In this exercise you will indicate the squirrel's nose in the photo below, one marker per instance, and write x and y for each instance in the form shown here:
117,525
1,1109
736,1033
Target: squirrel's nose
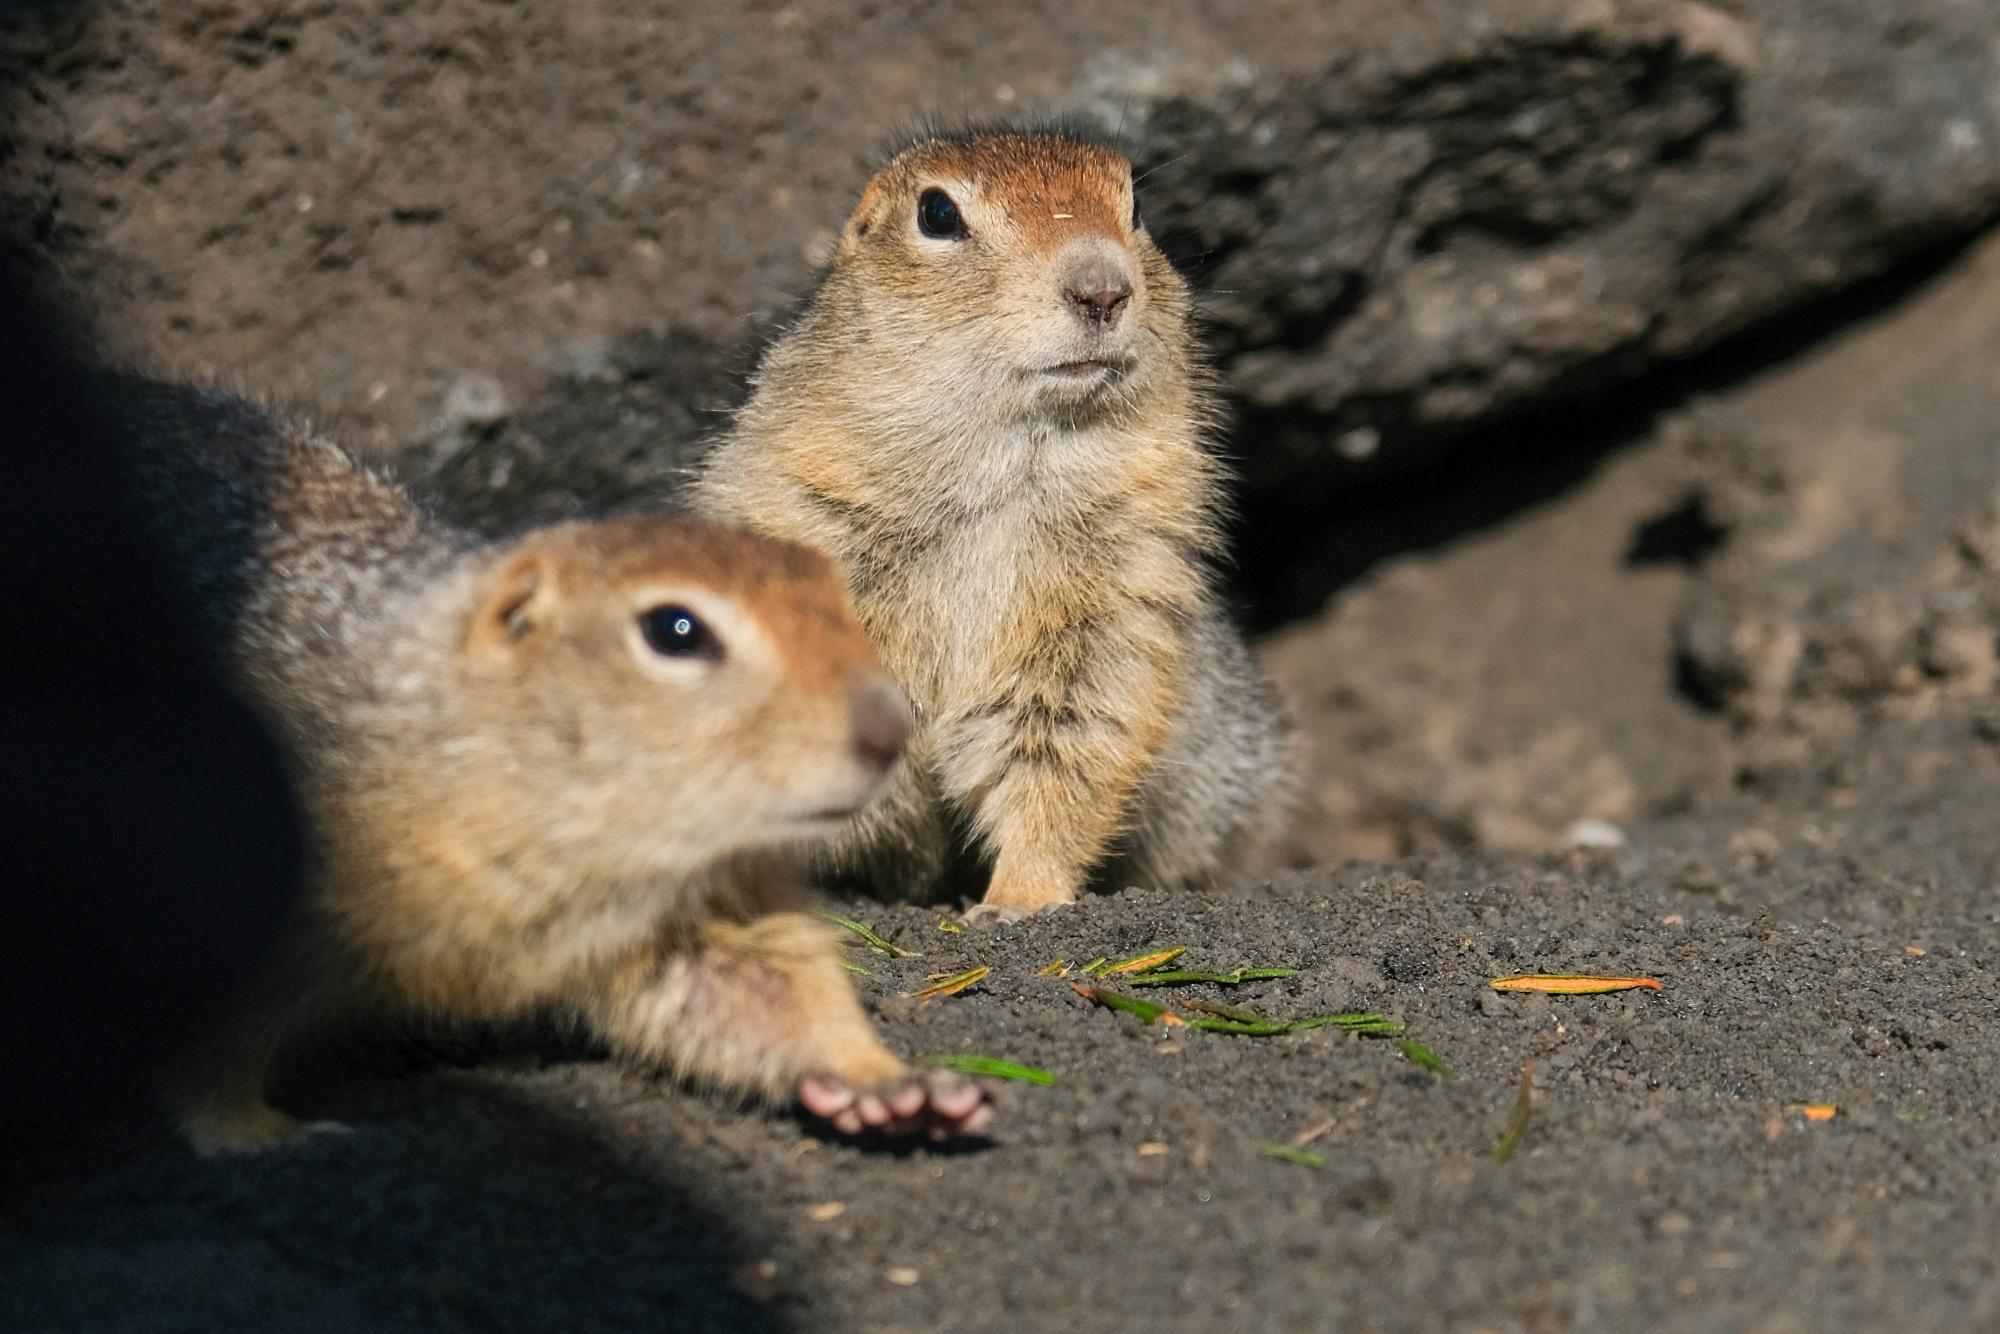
1099,286
881,722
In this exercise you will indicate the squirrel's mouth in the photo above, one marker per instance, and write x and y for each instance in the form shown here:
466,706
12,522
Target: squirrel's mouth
837,811
1085,371
829,814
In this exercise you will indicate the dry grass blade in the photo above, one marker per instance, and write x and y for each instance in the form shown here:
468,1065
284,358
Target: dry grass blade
1524,1107
1305,1137
1253,1028
1060,968
1234,977
1221,1011
1572,984
1227,1019
1092,967
1360,1025
990,1066
951,926
853,967
950,984
1287,1153
869,937
1145,963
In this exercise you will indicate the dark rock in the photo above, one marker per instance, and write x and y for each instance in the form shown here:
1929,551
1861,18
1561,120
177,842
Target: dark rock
618,433
1396,250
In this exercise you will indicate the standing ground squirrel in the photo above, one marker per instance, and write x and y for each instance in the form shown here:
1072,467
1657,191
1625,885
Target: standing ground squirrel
553,773
992,417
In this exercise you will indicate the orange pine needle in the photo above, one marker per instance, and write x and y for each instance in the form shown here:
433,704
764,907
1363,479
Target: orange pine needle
952,985
1815,1111
1145,963
1572,984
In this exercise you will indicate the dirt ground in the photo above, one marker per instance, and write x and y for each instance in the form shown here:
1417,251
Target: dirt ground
1692,677
1660,1184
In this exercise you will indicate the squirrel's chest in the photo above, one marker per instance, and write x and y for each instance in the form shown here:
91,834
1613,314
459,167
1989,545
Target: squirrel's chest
989,596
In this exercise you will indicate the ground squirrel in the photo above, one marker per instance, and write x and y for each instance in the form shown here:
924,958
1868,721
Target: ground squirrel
992,416
551,773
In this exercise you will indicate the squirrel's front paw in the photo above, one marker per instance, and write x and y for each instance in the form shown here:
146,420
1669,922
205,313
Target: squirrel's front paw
985,916
938,1103
1023,893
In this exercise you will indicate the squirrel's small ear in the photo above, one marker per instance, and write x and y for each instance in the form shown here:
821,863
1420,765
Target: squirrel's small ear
514,598
863,219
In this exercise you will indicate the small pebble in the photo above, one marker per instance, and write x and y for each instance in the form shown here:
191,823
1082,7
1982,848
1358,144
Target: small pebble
475,400
1595,834
757,1281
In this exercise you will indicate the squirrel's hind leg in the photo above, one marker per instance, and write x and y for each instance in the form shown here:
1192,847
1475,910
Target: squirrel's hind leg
1226,785
220,1104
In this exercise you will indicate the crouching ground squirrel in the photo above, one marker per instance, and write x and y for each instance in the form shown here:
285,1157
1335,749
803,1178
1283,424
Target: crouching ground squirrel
992,416
556,773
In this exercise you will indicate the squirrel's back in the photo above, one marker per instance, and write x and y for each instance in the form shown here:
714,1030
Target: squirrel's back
298,559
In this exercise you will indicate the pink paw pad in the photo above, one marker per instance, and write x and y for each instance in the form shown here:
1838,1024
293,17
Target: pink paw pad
933,1102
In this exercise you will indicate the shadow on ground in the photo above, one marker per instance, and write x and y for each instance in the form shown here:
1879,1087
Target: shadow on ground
461,1200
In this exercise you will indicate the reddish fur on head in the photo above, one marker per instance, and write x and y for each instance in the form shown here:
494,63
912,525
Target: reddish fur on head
792,591
1041,301
1053,186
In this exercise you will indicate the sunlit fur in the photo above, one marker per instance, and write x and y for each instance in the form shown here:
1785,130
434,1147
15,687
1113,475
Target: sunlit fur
516,805
1029,550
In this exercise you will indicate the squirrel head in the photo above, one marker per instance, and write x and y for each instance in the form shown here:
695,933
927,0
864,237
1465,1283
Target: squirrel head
1010,273
658,693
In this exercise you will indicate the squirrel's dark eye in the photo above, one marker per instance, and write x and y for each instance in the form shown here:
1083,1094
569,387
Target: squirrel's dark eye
938,216
675,632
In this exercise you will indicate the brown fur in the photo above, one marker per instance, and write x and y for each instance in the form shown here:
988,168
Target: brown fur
1028,548
517,805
